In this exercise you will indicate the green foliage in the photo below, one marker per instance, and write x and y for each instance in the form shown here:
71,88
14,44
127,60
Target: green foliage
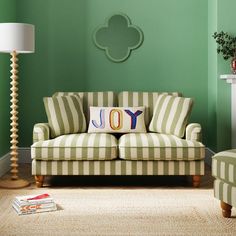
226,44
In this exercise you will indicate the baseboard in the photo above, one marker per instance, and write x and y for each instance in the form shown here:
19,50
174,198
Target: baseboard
4,164
209,154
24,157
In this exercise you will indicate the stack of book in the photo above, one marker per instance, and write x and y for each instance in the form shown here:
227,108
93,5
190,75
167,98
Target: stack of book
33,204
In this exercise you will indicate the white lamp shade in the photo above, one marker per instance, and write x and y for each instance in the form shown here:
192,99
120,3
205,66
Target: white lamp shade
16,37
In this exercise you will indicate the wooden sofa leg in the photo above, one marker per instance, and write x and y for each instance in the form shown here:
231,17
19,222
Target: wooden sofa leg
196,181
39,180
226,209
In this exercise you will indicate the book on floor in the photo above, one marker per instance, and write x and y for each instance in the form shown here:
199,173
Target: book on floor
29,204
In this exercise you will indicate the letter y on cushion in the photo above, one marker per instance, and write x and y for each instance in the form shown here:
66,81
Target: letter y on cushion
133,117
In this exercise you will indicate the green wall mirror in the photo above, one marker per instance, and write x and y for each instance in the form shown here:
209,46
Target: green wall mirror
118,37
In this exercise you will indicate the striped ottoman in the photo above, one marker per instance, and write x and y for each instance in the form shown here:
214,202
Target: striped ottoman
224,170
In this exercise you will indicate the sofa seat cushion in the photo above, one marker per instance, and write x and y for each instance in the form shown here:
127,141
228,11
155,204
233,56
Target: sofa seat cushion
224,166
81,146
154,146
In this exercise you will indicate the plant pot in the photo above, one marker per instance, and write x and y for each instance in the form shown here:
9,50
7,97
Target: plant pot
233,65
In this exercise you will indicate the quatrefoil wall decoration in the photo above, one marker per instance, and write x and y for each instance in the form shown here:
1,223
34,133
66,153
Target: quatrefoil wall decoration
118,37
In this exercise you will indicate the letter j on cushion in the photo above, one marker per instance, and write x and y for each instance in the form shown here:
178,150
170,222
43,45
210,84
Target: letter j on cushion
171,115
65,115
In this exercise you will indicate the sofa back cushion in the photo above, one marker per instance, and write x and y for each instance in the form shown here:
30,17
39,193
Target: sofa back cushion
65,115
171,115
105,99
146,99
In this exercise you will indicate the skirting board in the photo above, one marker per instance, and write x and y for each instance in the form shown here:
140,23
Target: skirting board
4,164
25,157
209,154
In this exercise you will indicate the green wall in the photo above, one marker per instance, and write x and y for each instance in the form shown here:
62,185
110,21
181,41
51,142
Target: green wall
58,62
212,75
226,18
173,56
178,54
221,16
7,14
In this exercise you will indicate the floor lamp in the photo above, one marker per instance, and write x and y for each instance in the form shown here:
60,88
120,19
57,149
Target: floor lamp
15,38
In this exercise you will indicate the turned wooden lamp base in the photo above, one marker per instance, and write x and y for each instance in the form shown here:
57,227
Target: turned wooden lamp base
11,184
15,181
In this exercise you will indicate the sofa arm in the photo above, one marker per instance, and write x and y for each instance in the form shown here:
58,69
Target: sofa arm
194,132
41,132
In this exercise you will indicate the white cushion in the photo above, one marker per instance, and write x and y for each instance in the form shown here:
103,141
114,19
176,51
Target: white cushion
117,120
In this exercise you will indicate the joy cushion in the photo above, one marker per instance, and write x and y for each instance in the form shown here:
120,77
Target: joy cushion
171,115
65,115
117,120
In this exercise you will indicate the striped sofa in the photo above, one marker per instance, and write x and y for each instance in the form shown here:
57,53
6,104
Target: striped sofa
224,170
106,154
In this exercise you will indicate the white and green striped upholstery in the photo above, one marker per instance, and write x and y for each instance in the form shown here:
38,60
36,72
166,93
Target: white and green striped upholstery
105,99
117,167
147,99
170,115
224,170
194,132
154,146
225,192
224,166
82,146
65,115
41,132
98,154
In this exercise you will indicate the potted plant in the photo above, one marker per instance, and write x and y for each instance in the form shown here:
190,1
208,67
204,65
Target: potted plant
226,47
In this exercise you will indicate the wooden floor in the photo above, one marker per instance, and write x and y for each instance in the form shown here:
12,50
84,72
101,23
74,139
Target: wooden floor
115,181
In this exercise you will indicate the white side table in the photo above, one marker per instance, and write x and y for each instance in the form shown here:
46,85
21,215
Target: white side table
231,79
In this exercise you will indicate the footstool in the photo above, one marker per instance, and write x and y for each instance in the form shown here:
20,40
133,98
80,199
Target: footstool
224,170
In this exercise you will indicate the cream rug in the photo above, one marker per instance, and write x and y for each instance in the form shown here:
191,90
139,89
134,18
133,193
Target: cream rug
117,211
